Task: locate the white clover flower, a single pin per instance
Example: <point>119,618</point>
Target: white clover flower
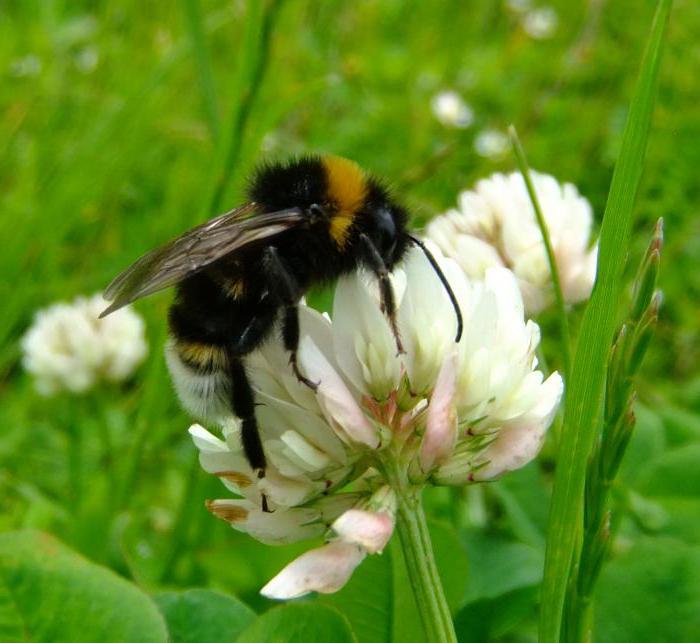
<point>451,110</point>
<point>441,413</point>
<point>69,348</point>
<point>26,66</point>
<point>518,6</point>
<point>491,144</point>
<point>495,225</point>
<point>540,23</point>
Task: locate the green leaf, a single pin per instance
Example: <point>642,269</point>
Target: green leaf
<point>647,442</point>
<point>674,473</point>
<point>299,623</point>
<point>671,481</point>
<point>681,425</point>
<point>499,566</point>
<point>588,371</point>
<point>367,600</point>
<point>681,518</point>
<point>490,619</point>
<point>57,595</point>
<point>378,600</point>
<point>650,594</point>
<point>524,498</point>
<point>203,616</point>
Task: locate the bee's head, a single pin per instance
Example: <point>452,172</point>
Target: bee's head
<point>385,224</point>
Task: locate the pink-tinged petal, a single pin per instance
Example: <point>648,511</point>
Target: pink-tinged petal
<point>441,420</point>
<point>518,443</point>
<point>368,529</point>
<point>337,403</point>
<point>323,570</point>
<point>515,447</point>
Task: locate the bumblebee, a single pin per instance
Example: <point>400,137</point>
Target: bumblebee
<point>242,274</point>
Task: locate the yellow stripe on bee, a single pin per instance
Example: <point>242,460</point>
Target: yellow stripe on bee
<point>347,189</point>
<point>203,355</point>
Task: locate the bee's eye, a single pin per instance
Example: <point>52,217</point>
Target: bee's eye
<point>386,233</point>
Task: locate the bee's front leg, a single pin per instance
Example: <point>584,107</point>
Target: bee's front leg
<point>386,291</point>
<point>289,293</point>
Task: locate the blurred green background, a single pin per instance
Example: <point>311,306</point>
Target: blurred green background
<point>119,122</point>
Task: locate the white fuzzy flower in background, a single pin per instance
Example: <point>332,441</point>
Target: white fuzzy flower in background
<point>26,66</point>
<point>69,348</point>
<point>495,225</point>
<point>518,6</point>
<point>491,144</point>
<point>442,413</point>
<point>451,110</point>
<point>540,23</point>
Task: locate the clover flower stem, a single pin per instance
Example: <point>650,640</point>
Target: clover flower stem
<point>418,554</point>
<point>554,270</point>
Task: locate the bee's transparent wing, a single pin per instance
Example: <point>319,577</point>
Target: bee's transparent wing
<point>194,250</point>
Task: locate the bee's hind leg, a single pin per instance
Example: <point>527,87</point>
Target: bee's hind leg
<point>289,293</point>
<point>243,405</point>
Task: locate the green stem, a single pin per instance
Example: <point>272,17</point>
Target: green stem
<point>420,562</point>
<point>553,269</point>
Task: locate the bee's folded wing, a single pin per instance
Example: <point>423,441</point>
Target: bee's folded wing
<point>195,250</point>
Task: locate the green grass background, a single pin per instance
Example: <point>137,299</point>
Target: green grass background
<point>106,149</point>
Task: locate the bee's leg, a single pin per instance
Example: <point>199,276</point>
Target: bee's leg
<point>243,405</point>
<point>289,293</point>
<point>386,291</point>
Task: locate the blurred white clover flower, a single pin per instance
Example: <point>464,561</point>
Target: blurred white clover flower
<point>87,59</point>
<point>69,348</point>
<point>540,23</point>
<point>491,143</point>
<point>26,66</point>
<point>441,413</point>
<point>495,225</point>
<point>451,110</point>
<point>518,6</point>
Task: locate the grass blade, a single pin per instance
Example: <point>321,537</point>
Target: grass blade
<point>255,56</point>
<point>524,168</point>
<point>588,371</point>
<point>193,16</point>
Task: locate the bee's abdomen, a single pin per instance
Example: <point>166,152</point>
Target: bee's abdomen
<point>200,376</point>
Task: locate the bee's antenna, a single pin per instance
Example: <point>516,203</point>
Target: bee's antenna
<point>443,280</point>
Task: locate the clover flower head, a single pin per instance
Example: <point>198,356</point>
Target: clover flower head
<point>441,413</point>
<point>540,23</point>
<point>69,348</point>
<point>491,143</point>
<point>495,225</point>
<point>451,110</point>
